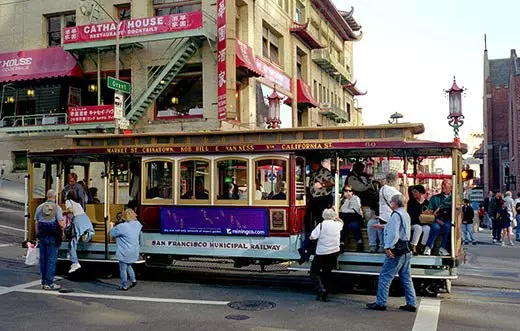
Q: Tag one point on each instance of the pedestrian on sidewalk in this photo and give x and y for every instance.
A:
(504, 217)
(467, 223)
(2, 173)
(517, 207)
(127, 246)
(494, 207)
(49, 228)
(398, 258)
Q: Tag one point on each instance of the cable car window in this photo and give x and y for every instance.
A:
(158, 180)
(195, 180)
(271, 179)
(232, 180)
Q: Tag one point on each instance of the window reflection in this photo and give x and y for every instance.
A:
(271, 180)
(195, 180)
(159, 180)
(232, 180)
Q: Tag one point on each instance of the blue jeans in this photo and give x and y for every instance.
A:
(435, 229)
(518, 227)
(48, 259)
(73, 246)
(400, 265)
(467, 233)
(126, 271)
(374, 235)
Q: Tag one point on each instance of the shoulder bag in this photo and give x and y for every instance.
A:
(401, 247)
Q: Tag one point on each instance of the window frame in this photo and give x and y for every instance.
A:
(270, 202)
(179, 200)
(63, 24)
(302, 202)
(124, 7)
(174, 4)
(216, 187)
(144, 177)
(272, 39)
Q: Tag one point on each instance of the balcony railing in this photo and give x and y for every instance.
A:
(330, 65)
(34, 120)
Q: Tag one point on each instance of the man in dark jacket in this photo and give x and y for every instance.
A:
(467, 223)
(494, 206)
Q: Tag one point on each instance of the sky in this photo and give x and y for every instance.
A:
(411, 49)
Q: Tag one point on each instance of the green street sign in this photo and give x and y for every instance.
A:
(119, 85)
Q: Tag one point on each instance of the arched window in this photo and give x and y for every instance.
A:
(232, 180)
(271, 185)
(157, 181)
(194, 180)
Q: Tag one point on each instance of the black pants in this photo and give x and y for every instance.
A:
(352, 223)
(497, 229)
(321, 269)
(314, 210)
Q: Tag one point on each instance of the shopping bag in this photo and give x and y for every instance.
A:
(33, 255)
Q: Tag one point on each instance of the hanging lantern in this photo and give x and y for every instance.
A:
(273, 118)
(455, 117)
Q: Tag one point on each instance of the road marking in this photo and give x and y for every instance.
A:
(427, 316)
(20, 287)
(6, 245)
(11, 228)
(124, 297)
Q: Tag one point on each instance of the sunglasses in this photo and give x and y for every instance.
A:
(347, 190)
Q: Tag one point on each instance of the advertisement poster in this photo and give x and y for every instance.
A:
(89, 114)
(214, 221)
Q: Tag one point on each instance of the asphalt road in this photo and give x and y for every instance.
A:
(487, 296)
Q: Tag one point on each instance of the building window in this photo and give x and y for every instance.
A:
(271, 44)
(19, 160)
(121, 171)
(168, 7)
(194, 180)
(55, 25)
(232, 180)
(270, 179)
(124, 12)
(182, 98)
(299, 15)
(349, 115)
(299, 65)
(158, 179)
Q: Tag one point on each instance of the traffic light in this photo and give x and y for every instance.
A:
(467, 174)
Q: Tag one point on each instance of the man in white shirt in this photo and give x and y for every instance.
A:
(374, 226)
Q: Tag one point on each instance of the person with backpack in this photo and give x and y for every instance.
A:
(398, 258)
(82, 228)
(49, 228)
(127, 246)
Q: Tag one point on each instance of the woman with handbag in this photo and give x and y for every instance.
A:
(327, 234)
(81, 228)
(350, 214)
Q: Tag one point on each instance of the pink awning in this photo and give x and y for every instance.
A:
(36, 64)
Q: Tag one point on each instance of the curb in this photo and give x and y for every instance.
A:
(17, 204)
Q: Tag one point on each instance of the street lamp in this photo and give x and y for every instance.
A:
(455, 118)
(273, 118)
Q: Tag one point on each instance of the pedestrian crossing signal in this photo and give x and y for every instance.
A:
(467, 174)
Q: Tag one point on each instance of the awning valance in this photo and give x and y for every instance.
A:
(246, 59)
(36, 64)
(304, 95)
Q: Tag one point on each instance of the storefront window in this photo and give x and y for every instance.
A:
(271, 180)
(182, 98)
(158, 180)
(168, 7)
(195, 180)
(232, 180)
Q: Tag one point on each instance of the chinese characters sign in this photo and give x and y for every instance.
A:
(221, 57)
(133, 28)
(89, 114)
(273, 74)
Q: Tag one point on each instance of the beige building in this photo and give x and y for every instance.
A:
(193, 65)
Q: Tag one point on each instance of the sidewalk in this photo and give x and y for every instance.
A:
(12, 192)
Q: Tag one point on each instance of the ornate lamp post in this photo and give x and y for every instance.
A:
(273, 118)
(455, 118)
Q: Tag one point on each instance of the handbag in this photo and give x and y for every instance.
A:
(70, 231)
(401, 247)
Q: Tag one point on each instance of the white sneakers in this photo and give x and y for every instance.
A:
(427, 250)
(443, 252)
(74, 267)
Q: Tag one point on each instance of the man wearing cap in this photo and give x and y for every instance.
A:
(49, 226)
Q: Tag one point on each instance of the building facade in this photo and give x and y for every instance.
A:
(500, 149)
(193, 65)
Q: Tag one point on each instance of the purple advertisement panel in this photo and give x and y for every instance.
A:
(234, 221)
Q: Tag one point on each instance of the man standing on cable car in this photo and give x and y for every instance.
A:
(320, 187)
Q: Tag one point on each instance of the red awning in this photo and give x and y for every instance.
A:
(246, 59)
(305, 95)
(36, 64)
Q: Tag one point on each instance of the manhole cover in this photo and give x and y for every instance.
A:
(237, 317)
(252, 305)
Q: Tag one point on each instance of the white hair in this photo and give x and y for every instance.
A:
(51, 194)
(398, 199)
(329, 214)
(391, 178)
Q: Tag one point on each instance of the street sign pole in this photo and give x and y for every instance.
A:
(116, 123)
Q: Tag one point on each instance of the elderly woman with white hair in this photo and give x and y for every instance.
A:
(328, 234)
(376, 225)
(127, 246)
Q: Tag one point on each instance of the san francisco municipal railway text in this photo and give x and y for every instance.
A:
(223, 245)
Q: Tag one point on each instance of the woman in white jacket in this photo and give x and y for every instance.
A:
(328, 234)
